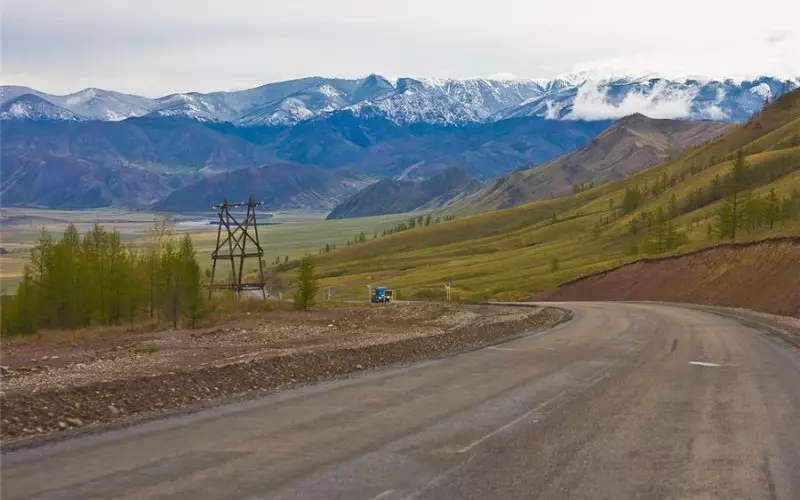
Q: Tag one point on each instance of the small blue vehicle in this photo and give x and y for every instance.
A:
(382, 295)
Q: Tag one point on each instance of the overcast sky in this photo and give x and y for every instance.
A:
(155, 47)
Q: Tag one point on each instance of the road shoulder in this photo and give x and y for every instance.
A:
(34, 418)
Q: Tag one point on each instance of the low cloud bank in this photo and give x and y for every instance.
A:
(661, 101)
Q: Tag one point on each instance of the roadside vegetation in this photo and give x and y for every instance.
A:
(92, 280)
(305, 294)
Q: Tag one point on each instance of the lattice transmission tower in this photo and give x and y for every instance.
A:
(240, 243)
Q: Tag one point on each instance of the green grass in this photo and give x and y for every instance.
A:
(300, 233)
(147, 350)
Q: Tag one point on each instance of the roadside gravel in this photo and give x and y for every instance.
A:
(128, 384)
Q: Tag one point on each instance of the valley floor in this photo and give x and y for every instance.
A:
(286, 234)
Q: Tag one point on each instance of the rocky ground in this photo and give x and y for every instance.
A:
(84, 381)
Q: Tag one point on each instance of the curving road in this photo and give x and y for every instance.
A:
(624, 401)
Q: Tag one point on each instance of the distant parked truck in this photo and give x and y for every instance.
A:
(382, 295)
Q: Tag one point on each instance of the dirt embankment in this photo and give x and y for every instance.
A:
(762, 276)
(50, 386)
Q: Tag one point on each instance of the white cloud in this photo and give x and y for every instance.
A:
(663, 101)
(714, 111)
(553, 110)
(157, 47)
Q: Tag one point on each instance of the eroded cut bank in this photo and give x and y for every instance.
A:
(762, 276)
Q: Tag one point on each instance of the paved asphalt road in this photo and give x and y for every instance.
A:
(611, 405)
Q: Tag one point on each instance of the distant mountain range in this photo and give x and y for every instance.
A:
(407, 101)
(139, 161)
(97, 147)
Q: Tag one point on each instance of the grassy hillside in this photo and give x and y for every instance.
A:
(520, 251)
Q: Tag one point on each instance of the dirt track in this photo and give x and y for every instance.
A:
(763, 276)
(51, 386)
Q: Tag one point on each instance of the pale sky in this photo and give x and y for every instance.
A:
(156, 47)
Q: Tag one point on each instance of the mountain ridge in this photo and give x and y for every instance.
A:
(82, 155)
(437, 101)
(391, 196)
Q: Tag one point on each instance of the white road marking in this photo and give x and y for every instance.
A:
(513, 422)
(436, 480)
(703, 363)
(501, 348)
(385, 494)
(597, 379)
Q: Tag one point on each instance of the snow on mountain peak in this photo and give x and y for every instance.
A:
(585, 94)
(329, 91)
(763, 90)
(34, 107)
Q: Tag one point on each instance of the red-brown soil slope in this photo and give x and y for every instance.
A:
(763, 276)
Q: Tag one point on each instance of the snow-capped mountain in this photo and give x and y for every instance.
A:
(654, 97)
(88, 104)
(309, 102)
(405, 101)
(33, 107)
(447, 102)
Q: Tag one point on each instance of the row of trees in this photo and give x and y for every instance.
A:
(413, 223)
(742, 177)
(584, 186)
(95, 279)
(746, 212)
(655, 232)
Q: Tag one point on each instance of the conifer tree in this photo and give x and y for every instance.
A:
(190, 287)
(306, 293)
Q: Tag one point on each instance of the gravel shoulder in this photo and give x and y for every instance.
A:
(73, 385)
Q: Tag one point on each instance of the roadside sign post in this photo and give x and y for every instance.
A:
(447, 289)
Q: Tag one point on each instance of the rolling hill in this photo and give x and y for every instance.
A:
(394, 197)
(631, 144)
(682, 204)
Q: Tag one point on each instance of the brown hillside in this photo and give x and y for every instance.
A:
(763, 276)
(630, 145)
